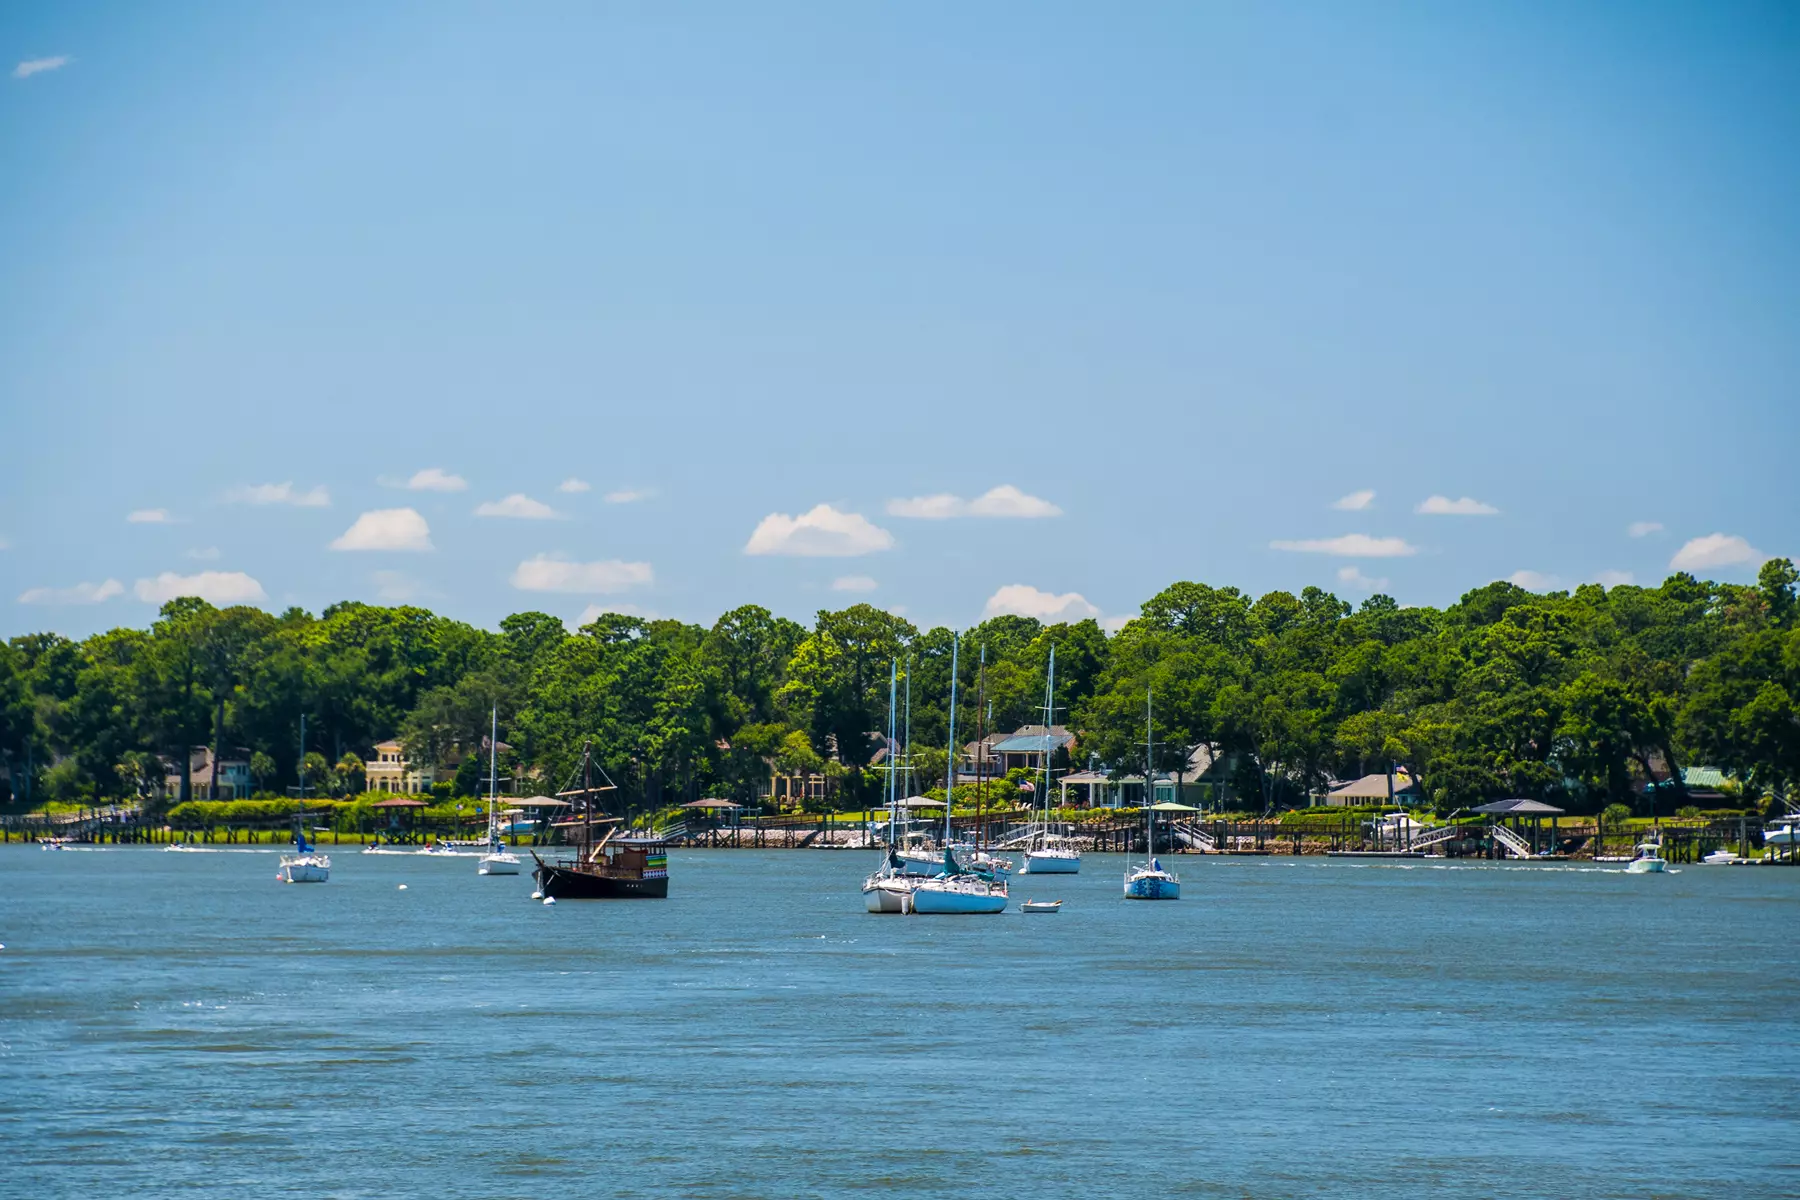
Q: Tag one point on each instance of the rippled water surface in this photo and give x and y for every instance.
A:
(182, 1024)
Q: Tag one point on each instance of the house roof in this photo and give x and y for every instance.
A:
(1703, 777)
(1034, 739)
(399, 802)
(1372, 787)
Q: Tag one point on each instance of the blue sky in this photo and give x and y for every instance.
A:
(950, 308)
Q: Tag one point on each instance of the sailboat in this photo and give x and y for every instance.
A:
(1148, 880)
(306, 865)
(890, 888)
(498, 860)
(1046, 854)
(957, 890)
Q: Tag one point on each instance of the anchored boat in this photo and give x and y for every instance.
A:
(307, 865)
(1148, 880)
(615, 868)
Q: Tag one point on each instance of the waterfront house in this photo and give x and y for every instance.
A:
(389, 770)
(228, 779)
(1375, 789)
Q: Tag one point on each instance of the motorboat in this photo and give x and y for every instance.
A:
(1786, 834)
(1649, 860)
(1724, 858)
(307, 865)
(1042, 906)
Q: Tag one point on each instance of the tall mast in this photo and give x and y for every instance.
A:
(1049, 723)
(1149, 785)
(892, 752)
(980, 744)
(909, 724)
(493, 764)
(950, 767)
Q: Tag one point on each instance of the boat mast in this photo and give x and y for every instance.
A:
(1149, 784)
(493, 767)
(950, 767)
(1049, 714)
(892, 756)
(980, 744)
(909, 725)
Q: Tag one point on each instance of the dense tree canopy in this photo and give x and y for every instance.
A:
(1579, 698)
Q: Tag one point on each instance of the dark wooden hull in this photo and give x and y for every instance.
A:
(572, 883)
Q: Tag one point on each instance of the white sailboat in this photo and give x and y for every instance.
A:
(498, 860)
(957, 890)
(1047, 854)
(890, 888)
(306, 865)
(1148, 880)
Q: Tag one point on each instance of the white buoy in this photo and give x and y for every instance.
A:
(402, 887)
(537, 895)
(549, 899)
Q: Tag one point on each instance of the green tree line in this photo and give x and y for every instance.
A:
(1577, 697)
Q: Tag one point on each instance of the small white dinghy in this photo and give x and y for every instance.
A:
(1042, 906)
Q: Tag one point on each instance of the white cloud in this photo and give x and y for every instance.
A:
(1643, 528)
(1355, 501)
(33, 66)
(1003, 501)
(1021, 599)
(81, 593)
(627, 496)
(518, 505)
(436, 479)
(150, 516)
(203, 553)
(823, 532)
(214, 587)
(1008, 501)
(574, 485)
(1532, 581)
(1114, 624)
(386, 529)
(1613, 579)
(547, 573)
(928, 508)
(1352, 545)
(280, 493)
(1444, 506)
(853, 583)
(1353, 577)
(1717, 550)
(594, 612)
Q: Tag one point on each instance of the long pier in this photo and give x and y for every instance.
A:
(1685, 843)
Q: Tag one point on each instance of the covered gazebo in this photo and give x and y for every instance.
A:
(401, 812)
(1521, 808)
(714, 809)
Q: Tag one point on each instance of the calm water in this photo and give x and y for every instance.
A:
(182, 1024)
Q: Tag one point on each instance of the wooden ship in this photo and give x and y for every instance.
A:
(615, 867)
